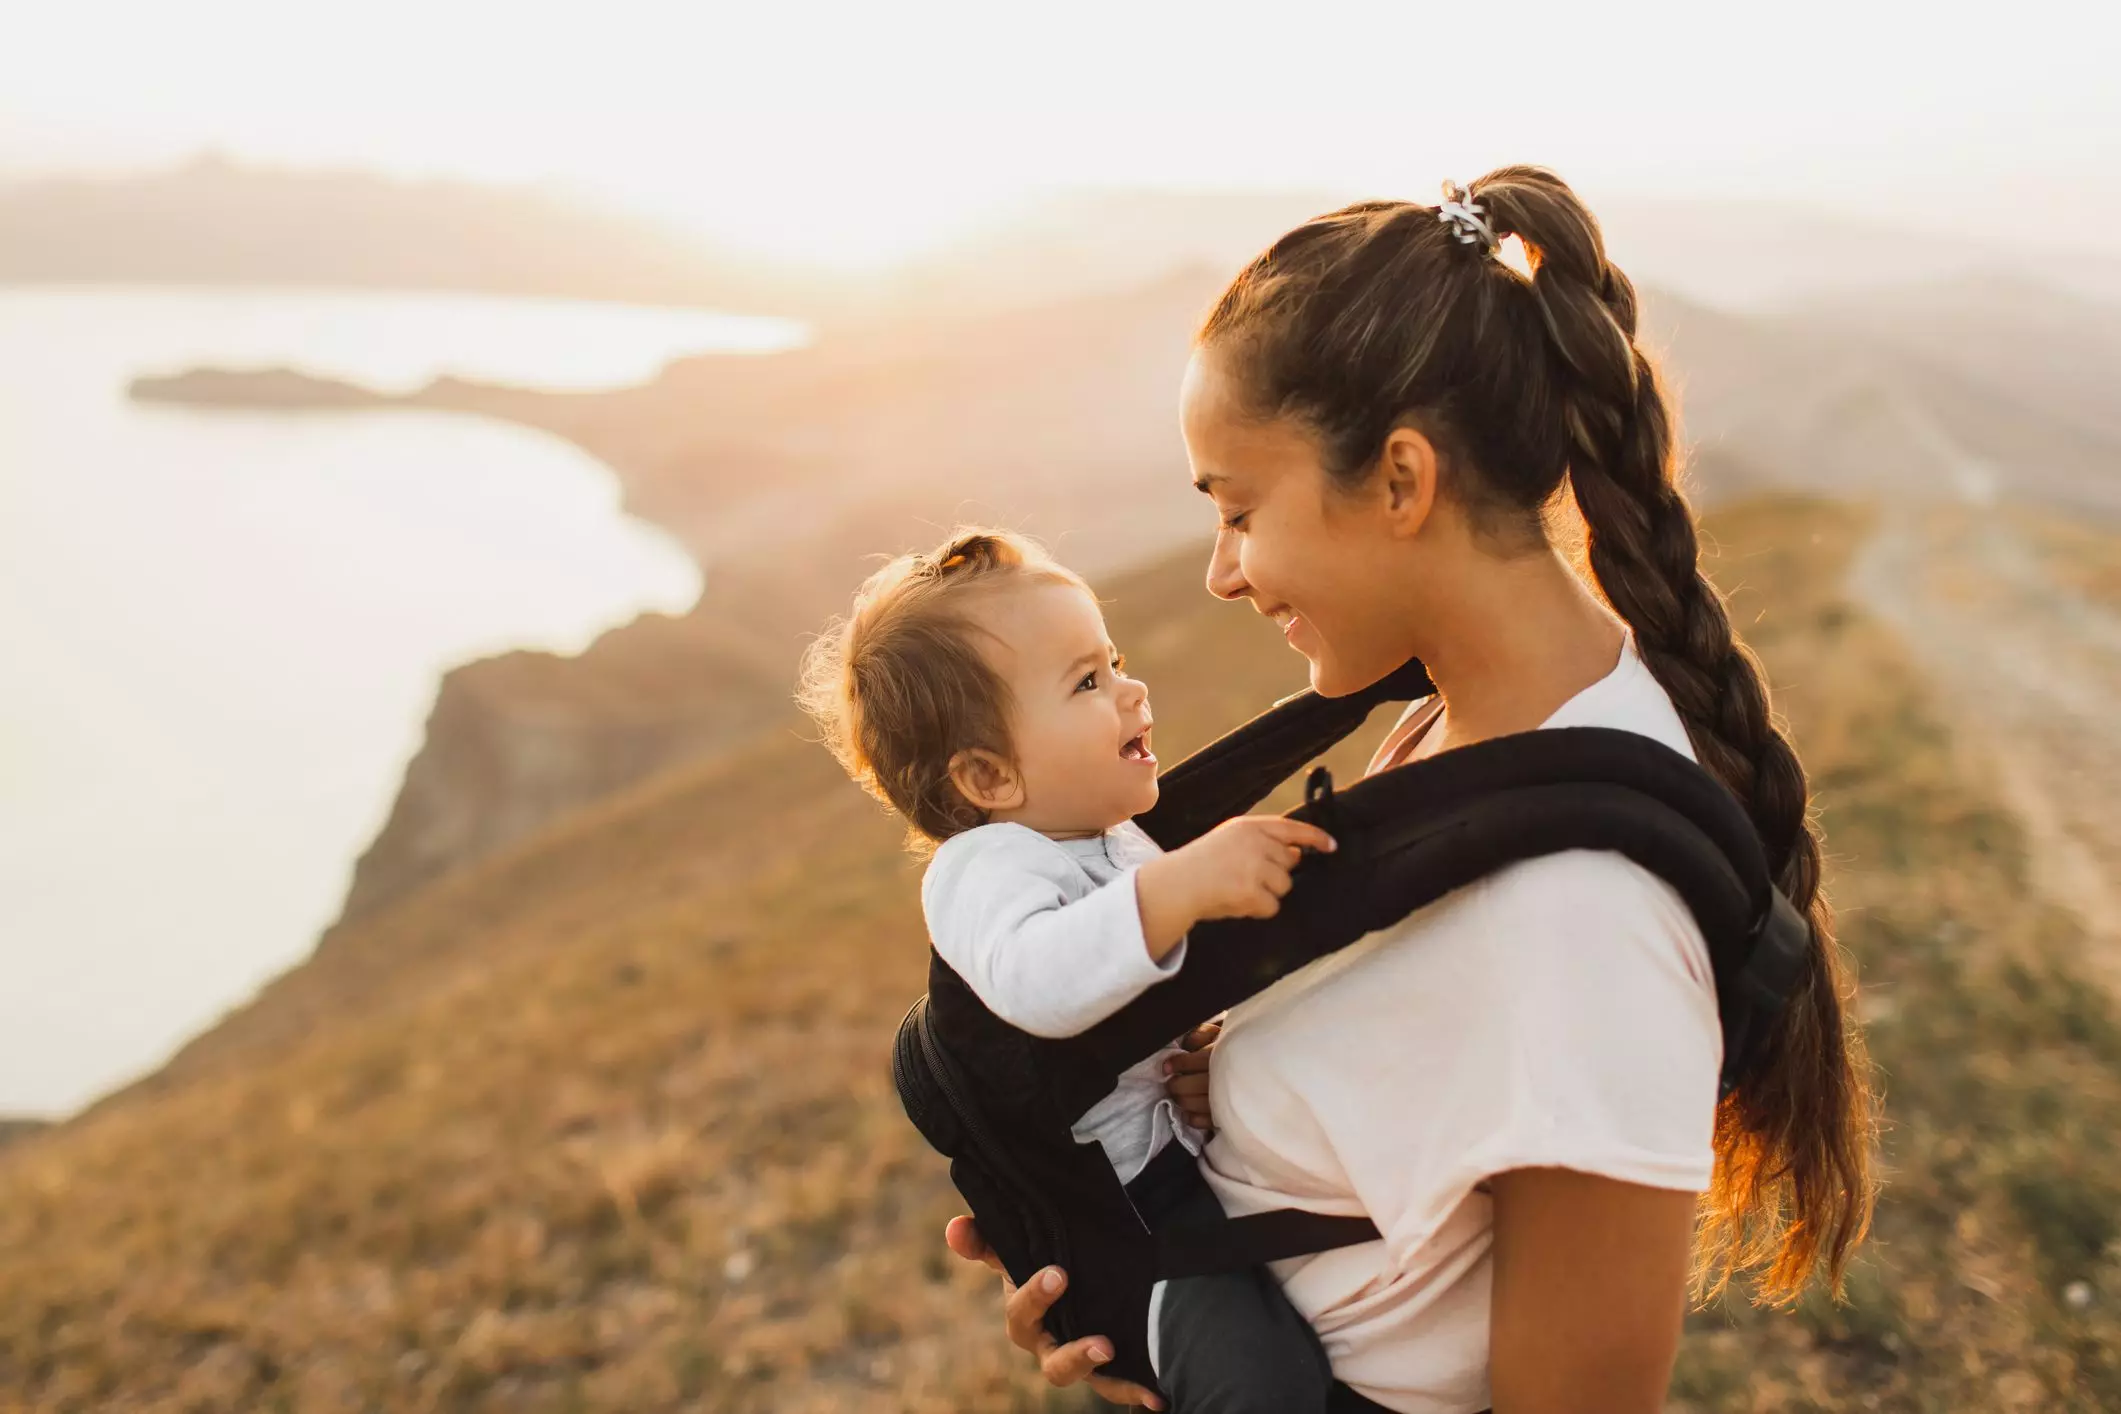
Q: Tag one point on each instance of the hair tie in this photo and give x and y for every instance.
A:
(1467, 219)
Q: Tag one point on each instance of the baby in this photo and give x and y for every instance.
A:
(976, 692)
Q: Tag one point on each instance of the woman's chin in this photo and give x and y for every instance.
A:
(1332, 678)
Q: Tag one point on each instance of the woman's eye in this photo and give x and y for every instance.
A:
(1236, 522)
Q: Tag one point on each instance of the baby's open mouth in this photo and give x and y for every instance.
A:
(1137, 748)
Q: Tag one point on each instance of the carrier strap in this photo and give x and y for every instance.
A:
(1235, 772)
(1236, 1243)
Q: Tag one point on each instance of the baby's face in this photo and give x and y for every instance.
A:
(1080, 725)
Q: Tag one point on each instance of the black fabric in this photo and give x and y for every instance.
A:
(1233, 773)
(1001, 1103)
(1412, 834)
(1186, 1249)
(1169, 1182)
(1230, 1342)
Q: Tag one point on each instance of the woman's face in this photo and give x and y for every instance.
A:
(1332, 567)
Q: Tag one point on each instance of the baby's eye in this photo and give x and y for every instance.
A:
(1119, 663)
(1089, 682)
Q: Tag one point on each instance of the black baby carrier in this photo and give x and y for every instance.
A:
(1001, 1104)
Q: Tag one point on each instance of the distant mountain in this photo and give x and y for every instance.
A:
(783, 474)
(2054, 352)
(1733, 255)
(212, 222)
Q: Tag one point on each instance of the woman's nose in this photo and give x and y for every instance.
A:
(1225, 579)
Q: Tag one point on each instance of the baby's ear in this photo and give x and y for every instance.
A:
(986, 780)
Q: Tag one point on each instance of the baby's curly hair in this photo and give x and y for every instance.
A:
(899, 685)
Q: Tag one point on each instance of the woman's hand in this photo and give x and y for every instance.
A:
(1186, 1076)
(1024, 1311)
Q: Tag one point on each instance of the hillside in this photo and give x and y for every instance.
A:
(606, 1125)
(781, 473)
(215, 223)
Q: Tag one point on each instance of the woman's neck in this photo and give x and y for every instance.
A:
(1516, 641)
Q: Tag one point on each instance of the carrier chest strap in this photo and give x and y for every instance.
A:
(1186, 1250)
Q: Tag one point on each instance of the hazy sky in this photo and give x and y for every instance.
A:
(854, 132)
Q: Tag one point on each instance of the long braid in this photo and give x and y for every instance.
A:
(1793, 1184)
(1385, 314)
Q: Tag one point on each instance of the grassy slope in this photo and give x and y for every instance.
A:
(627, 1141)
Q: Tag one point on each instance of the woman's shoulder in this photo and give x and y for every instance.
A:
(1590, 909)
(1628, 698)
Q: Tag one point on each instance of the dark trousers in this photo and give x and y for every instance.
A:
(1232, 1344)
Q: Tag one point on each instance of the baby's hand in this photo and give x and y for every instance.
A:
(1239, 869)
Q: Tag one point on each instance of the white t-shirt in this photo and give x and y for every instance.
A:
(1558, 1013)
(1047, 933)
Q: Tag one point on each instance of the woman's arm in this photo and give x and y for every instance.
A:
(1590, 1289)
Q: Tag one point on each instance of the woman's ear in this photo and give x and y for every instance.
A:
(986, 780)
(1410, 470)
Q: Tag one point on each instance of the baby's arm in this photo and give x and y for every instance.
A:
(1239, 869)
(1000, 916)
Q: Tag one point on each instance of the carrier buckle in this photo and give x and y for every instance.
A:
(1318, 799)
(1775, 964)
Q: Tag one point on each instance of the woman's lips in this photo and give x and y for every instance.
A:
(1288, 626)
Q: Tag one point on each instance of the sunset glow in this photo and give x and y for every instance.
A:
(855, 135)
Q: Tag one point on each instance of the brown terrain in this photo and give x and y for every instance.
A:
(582, 1105)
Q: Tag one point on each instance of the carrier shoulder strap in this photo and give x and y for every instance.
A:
(1233, 773)
(1412, 834)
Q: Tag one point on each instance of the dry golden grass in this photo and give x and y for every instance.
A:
(2083, 554)
(608, 1126)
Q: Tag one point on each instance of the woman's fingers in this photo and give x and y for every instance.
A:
(961, 1236)
(1191, 1085)
(1189, 1062)
(1202, 1036)
(1115, 1391)
(1024, 1310)
(1074, 1362)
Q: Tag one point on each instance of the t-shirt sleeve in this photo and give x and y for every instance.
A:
(1611, 1042)
(1000, 912)
(1578, 1029)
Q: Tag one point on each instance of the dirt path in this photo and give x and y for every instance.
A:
(2034, 668)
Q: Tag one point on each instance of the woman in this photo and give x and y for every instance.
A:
(1517, 1083)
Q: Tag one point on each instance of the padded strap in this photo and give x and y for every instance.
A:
(1236, 1243)
(1235, 772)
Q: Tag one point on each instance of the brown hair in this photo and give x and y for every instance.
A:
(1383, 315)
(899, 685)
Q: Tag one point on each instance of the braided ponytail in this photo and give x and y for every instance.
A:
(1386, 314)
(1793, 1186)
